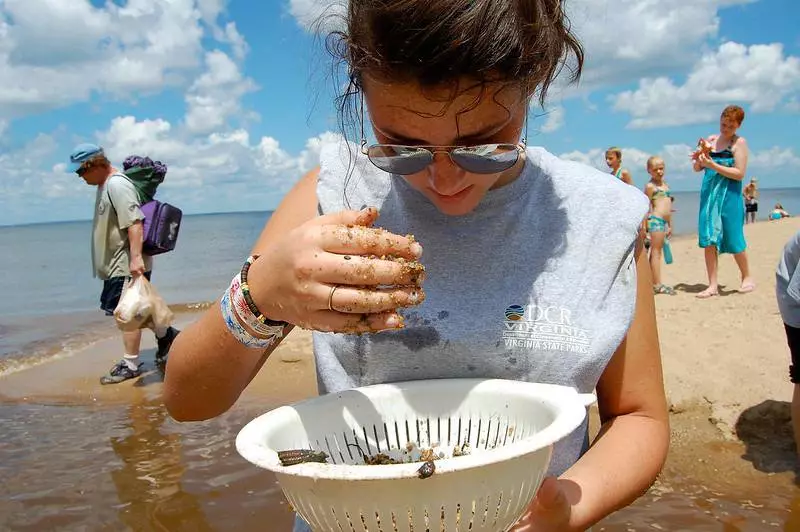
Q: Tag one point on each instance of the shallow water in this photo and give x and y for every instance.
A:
(130, 467)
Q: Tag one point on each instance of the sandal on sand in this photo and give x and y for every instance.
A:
(705, 294)
(664, 289)
(747, 288)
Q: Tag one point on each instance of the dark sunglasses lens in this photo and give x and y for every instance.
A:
(487, 158)
(80, 171)
(401, 160)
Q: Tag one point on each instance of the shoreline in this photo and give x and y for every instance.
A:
(705, 348)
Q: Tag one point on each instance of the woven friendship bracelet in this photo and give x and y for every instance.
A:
(249, 299)
(246, 315)
(237, 329)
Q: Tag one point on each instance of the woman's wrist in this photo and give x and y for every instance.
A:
(261, 291)
(257, 297)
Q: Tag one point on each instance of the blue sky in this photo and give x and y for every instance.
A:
(235, 95)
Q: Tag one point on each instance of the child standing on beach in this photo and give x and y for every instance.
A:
(659, 221)
(614, 161)
(506, 229)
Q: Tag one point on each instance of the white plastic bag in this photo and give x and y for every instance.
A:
(140, 306)
(161, 315)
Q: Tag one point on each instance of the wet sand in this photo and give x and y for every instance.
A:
(75, 455)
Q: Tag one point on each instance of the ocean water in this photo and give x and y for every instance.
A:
(49, 302)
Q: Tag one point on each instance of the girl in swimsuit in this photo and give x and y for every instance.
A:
(658, 222)
(614, 161)
(721, 219)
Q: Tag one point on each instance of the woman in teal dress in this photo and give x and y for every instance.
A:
(721, 221)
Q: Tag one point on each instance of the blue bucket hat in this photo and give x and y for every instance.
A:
(81, 154)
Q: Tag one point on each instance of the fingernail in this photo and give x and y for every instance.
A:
(395, 321)
(416, 249)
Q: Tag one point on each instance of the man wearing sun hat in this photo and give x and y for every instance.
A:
(117, 236)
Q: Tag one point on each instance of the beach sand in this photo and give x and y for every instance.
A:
(725, 362)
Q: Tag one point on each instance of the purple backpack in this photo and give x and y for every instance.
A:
(161, 224)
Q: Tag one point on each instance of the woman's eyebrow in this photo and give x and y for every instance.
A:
(482, 133)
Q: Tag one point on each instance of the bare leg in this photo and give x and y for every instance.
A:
(656, 253)
(712, 259)
(796, 417)
(132, 341)
(748, 284)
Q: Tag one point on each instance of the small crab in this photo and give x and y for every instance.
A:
(301, 456)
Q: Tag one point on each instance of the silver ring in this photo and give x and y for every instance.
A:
(330, 297)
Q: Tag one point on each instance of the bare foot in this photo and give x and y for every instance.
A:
(748, 285)
(708, 292)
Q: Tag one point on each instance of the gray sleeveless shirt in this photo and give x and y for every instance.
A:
(537, 284)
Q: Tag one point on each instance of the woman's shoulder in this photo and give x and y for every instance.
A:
(588, 188)
(346, 177)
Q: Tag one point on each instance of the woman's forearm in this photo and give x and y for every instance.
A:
(208, 369)
(728, 171)
(621, 465)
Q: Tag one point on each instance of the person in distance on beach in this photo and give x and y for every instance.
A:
(723, 159)
(117, 236)
(614, 161)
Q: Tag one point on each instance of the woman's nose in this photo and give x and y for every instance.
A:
(445, 177)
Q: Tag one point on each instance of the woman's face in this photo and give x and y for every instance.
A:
(728, 126)
(403, 114)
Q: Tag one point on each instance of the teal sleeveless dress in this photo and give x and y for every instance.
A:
(721, 219)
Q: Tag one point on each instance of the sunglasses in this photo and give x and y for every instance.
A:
(82, 170)
(407, 160)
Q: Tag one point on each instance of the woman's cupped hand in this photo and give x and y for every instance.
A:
(338, 273)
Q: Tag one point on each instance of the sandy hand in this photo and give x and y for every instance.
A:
(337, 273)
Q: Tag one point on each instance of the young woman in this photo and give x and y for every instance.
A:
(721, 220)
(506, 231)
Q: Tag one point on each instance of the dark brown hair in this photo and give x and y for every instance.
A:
(442, 42)
(735, 112)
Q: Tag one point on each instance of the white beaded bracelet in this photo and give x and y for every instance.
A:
(237, 330)
(246, 315)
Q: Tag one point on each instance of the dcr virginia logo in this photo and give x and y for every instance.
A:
(545, 327)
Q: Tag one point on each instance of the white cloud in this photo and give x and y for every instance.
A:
(215, 96)
(220, 171)
(628, 39)
(774, 158)
(324, 15)
(54, 53)
(760, 76)
(554, 119)
(624, 40)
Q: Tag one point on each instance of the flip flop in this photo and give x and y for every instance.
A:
(706, 294)
(746, 289)
(664, 289)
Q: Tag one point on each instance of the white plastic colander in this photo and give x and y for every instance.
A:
(510, 428)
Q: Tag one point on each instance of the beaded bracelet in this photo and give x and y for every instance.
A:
(237, 330)
(246, 316)
(249, 299)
